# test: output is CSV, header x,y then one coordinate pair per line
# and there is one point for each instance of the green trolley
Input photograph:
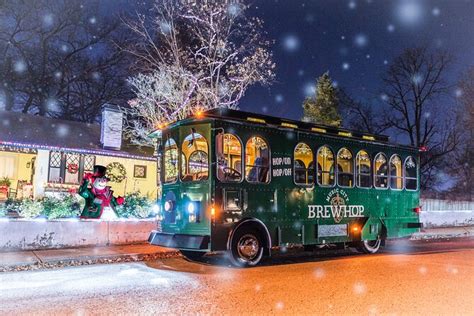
x,y
246,183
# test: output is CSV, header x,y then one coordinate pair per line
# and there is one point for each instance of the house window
x,y
55,158
69,168
139,171
7,166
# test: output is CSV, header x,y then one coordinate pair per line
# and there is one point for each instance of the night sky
x,y
356,41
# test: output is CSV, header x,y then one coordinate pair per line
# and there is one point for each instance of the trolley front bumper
x,y
179,241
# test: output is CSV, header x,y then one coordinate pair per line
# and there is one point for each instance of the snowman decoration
x,y
100,201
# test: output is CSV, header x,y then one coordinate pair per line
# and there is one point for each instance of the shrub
x,y
5,181
63,206
135,206
30,208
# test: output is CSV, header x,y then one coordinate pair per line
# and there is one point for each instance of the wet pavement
x,y
407,277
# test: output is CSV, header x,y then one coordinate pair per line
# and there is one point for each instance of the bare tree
x,y
193,55
463,168
414,84
57,58
362,116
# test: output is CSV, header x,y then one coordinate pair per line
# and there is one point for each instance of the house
x,y
41,155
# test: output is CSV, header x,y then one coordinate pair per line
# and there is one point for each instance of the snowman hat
x,y
99,172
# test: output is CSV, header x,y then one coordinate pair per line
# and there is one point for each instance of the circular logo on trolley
x,y
335,205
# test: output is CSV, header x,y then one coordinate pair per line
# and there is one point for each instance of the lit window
x,y
411,174
303,164
325,166
229,158
363,178
170,161
381,171
257,160
396,179
195,165
345,168
54,175
69,167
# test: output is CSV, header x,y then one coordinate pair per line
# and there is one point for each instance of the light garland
x,y
78,150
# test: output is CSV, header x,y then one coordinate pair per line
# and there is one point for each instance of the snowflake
x,y
93,20
264,109
62,130
385,62
58,75
367,56
458,93
436,11
291,43
343,37
345,66
19,66
279,98
390,28
409,12
52,105
165,27
335,84
361,40
423,270
384,97
417,78
309,89
300,72
64,48
48,19
319,273
96,75
279,305
234,9
359,288
352,5
258,287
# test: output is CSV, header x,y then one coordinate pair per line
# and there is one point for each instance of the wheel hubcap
x,y
248,247
373,244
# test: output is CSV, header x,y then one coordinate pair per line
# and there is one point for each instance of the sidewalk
x,y
56,258
444,233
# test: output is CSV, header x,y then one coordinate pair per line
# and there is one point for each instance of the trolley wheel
x,y
369,246
246,248
192,255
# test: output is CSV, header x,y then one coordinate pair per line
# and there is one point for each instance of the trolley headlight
x,y
191,208
168,206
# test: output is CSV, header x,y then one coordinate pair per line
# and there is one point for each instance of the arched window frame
x,y
178,161
269,177
242,162
307,168
357,171
410,178
374,170
186,161
337,168
390,172
333,167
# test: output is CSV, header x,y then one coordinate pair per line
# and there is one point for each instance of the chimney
x,y
111,127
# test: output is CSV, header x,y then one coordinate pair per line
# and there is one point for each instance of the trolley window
x,y
257,160
396,179
411,174
229,158
363,166
195,163
170,161
345,168
325,166
303,164
381,171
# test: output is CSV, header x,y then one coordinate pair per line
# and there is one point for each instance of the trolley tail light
x,y
417,209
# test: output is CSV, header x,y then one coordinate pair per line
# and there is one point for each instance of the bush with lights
x,y
135,206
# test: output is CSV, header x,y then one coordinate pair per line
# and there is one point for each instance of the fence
x,y
438,213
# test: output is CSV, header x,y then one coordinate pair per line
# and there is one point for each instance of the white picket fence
x,y
439,213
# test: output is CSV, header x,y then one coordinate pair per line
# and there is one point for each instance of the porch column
x,y
41,173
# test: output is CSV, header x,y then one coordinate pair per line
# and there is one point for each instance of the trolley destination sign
x,y
245,184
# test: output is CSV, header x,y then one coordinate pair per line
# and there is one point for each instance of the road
x,y
406,278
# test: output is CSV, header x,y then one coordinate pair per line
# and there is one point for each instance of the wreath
x,y
116,172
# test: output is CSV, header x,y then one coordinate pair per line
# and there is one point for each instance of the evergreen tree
x,y
324,107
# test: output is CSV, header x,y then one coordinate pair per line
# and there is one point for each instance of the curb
x,y
89,260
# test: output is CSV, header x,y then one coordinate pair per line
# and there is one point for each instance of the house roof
x,y
31,131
